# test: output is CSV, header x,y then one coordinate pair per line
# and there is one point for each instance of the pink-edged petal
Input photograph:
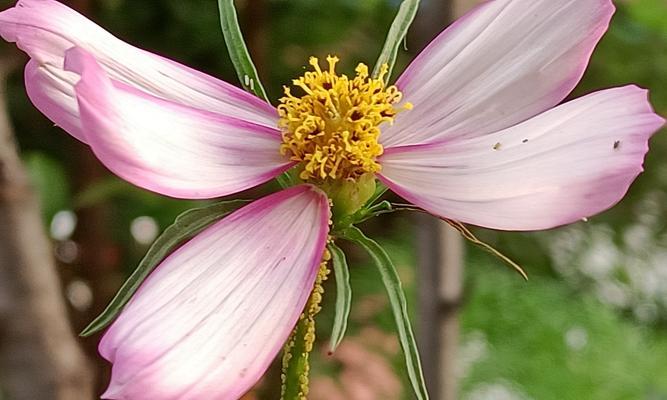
x,y
502,63
52,92
561,166
209,320
167,147
46,29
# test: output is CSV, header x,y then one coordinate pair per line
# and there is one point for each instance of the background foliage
x,y
591,323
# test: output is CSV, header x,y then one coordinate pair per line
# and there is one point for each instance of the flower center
x,y
332,129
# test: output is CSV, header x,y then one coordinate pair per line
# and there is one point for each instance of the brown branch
x,y
39,355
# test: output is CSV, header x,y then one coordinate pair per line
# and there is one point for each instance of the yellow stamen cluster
x,y
332,129
306,328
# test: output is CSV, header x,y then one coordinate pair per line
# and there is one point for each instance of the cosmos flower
x,y
471,131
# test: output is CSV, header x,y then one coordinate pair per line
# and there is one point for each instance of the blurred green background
x,y
590,324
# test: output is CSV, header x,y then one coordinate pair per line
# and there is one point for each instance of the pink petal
x,y
170,148
561,166
502,63
52,92
45,29
209,320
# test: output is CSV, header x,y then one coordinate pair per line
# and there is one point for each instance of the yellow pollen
x,y
332,129
305,332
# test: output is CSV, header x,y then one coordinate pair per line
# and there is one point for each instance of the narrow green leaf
x,y
397,31
289,178
467,234
380,190
283,180
399,307
343,295
185,227
238,52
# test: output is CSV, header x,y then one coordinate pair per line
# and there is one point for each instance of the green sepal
x,y
284,180
289,178
238,52
349,196
397,31
380,190
186,225
370,211
343,295
398,304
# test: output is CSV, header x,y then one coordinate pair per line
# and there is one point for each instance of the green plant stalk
x,y
296,356
296,364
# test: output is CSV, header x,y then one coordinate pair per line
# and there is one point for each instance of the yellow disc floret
x,y
332,129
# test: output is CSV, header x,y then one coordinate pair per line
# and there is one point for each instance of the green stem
x,y
296,366
296,357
